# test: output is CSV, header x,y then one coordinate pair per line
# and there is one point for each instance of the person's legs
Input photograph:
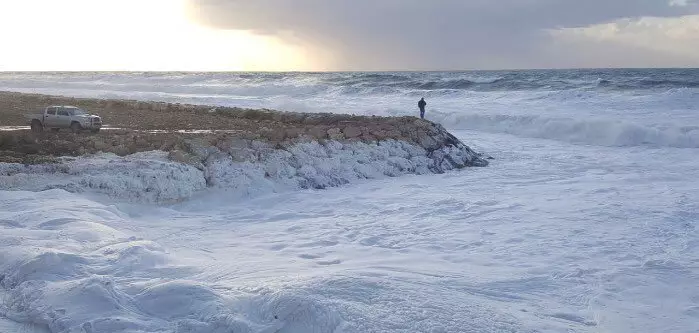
x,y
422,113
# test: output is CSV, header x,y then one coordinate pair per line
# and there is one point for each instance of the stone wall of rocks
x,y
167,126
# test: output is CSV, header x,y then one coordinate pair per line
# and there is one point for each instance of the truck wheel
x,y
36,126
75,127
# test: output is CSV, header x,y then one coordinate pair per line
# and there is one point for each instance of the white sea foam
x,y
600,131
259,169
148,177
63,269
413,253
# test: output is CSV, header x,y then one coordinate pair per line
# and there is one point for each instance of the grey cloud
x,y
422,34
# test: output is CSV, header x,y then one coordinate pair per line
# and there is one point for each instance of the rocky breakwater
x,y
247,151
322,153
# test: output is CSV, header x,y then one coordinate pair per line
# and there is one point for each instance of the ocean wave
x,y
174,88
325,84
647,83
510,84
602,132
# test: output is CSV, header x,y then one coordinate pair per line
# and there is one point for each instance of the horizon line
x,y
350,71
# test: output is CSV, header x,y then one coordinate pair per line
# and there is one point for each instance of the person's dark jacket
x,y
421,104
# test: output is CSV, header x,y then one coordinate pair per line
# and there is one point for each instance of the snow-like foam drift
x,y
148,177
66,268
245,167
66,271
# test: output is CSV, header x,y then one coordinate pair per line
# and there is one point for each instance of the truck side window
x,y
62,112
51,111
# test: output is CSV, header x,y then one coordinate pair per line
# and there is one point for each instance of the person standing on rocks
x,y
421,104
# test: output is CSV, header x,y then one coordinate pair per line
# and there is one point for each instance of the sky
x,y
314,35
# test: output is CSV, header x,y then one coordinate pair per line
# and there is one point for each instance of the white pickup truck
x,y
71,117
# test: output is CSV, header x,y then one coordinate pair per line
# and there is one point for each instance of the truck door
x,y
62,117
50,119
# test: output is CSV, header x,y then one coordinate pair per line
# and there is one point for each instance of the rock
x,y
200,148
368,138
11,159
243,155
224,144
427,142
394,134
162,107
176,156
423,124
120,150
335,134
317,132
312,119
169,143
241,143
272,134
291,133
352,132
218,156
185,158
141,142
100,145
379,134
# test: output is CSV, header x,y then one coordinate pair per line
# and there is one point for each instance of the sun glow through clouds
x,y
152,35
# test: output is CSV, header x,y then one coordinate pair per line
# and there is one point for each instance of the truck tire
x,y
36,126
75,127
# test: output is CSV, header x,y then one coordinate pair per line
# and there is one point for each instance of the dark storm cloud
x,y
427,34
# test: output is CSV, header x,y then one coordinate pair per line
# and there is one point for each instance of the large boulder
x,y
352,132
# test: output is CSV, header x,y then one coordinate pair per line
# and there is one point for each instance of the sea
x,y
586,220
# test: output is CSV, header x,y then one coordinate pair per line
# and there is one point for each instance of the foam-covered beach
x,y
584,221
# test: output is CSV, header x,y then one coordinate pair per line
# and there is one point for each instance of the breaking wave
x,y
602,132
268,84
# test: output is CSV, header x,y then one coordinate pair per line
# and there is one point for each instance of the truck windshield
x,y
76,112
